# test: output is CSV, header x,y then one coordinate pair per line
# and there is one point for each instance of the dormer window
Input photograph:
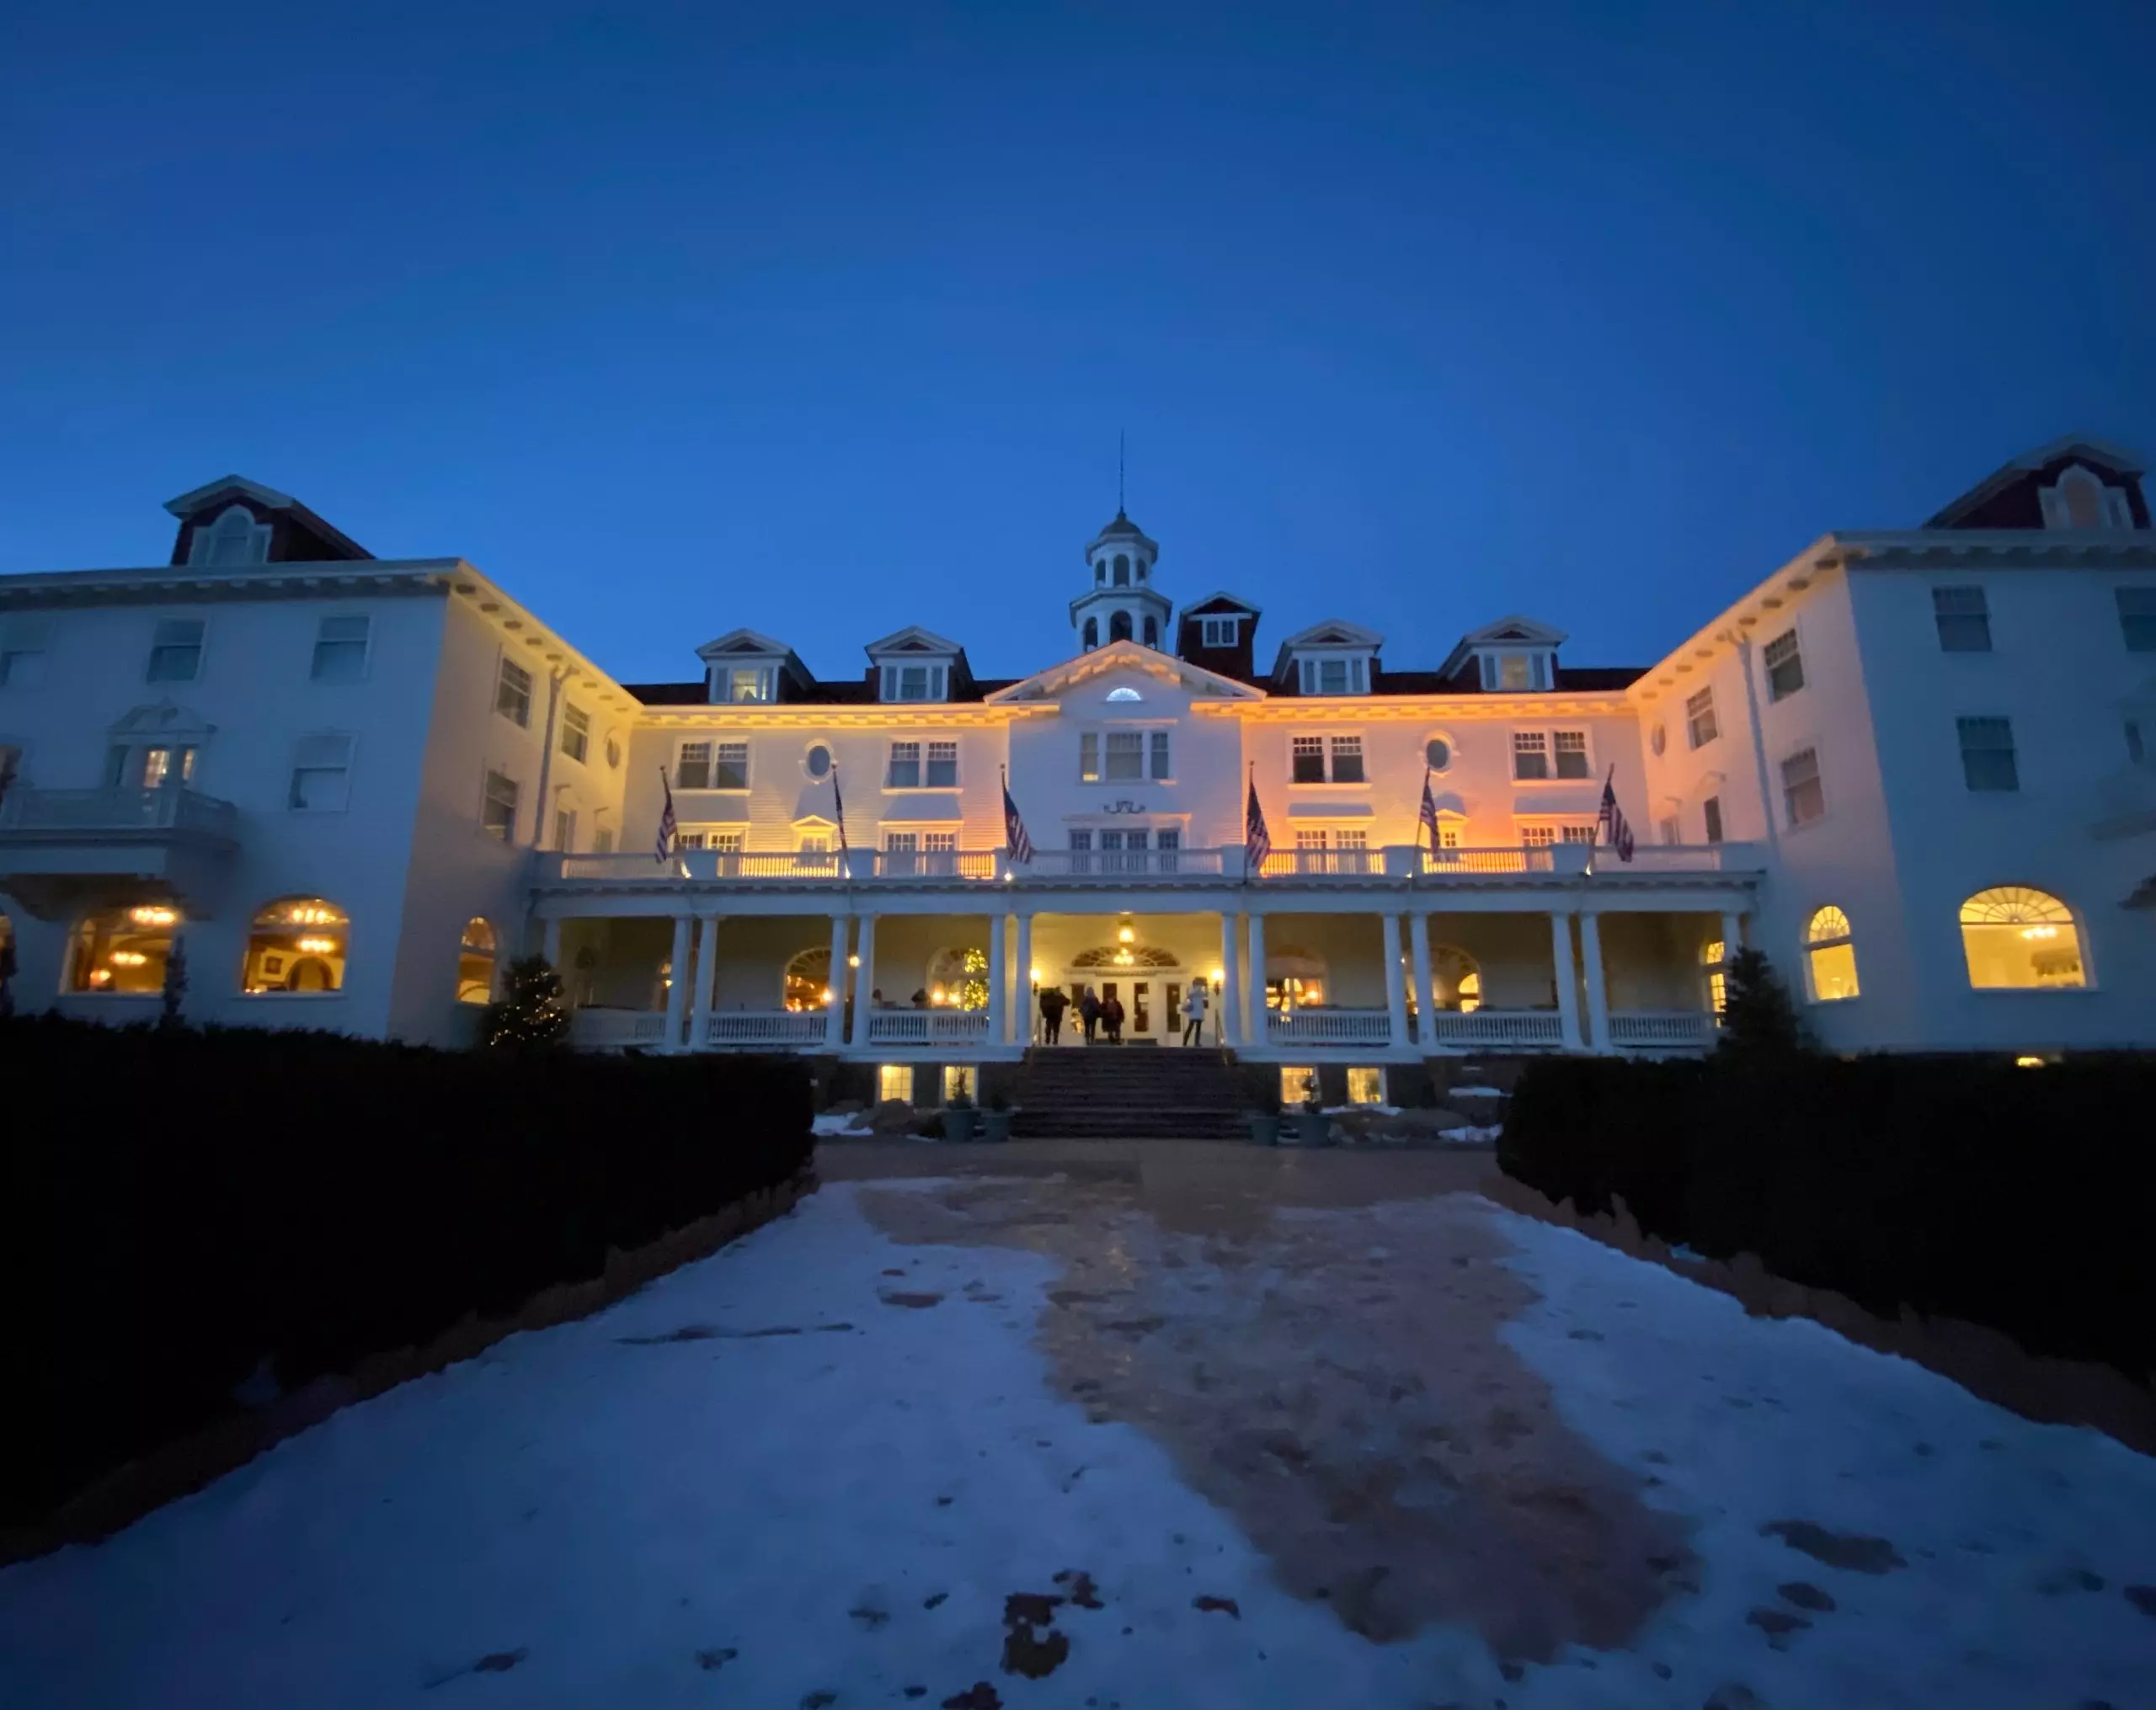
x,y
915,682
1218,632
2078,500
1334,676
235,538
1522,672
746,685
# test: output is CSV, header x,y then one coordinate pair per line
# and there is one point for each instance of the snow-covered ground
x,y
926,1434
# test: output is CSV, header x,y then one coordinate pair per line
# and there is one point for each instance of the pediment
x,y
1122,658
735,643
915,641
162,719
1515,631
1335,632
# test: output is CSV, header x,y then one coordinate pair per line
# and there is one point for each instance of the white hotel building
x,y
1916,767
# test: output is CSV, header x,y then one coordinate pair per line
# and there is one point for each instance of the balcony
x,y
928,1027
61,851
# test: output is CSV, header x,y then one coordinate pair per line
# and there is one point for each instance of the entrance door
x,y
1141,1006
1175,1008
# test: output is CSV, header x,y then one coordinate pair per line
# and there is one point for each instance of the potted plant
x,y
1265,1121
958,1117
996,1120
1313,1127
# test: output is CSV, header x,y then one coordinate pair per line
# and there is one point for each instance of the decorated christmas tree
x,y
529,1014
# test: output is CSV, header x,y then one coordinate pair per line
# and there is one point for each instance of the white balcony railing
x,y
934,864
89,812
1450,863
1478,1028
766,1027
1322,1027
928,1027
1323,863
1661,1030
612,1029
1130,864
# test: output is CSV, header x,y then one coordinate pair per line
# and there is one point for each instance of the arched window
x,y
808,980
1145,566
1152,631
1092,633
1713,958
1458,978
1101,573
1119,626
297,944
235,538
122,952
2083,496
2017,938
475,963
1829,956
958,979
1122,570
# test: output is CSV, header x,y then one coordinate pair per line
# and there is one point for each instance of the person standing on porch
x,y
1111,1015
1052,1005
1089,1011
1193,1014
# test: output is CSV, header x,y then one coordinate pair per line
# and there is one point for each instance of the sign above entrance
x,y
1125,806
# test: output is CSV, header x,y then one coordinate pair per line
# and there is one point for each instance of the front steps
x,y
1107,1092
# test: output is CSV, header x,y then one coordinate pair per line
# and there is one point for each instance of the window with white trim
x,y
498,807
1537,836
2137,618
340,647
894,1083
915,682
1345,752
943,765
1571,755
24,645
235,538
1161,767
1804,796
176,651
1699,725
1336,676
939,843
906,766
602,841
748,685
1308,839
1531,754
1987,753
576,733
1365,1086
1126,756
321,774
1306,759
512,694
565,830
729,766
693,766
1829,956
1089,757
1579,833
1710,812
1216,632
1785,665
1963,617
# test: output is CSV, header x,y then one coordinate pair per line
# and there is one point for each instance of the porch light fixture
x,y
150,914
318,946
1034,974
2028,1063
935,996
1127,935
2040,932
127,958
853,962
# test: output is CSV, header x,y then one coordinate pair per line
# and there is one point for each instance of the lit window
x,y
1309,840
1347,759
751,683
1089,757
1699,725
895,1080
1537,836
122,952
1437,753
729,766
475,963
2137,619
1802,793
943,765
1712,958
1531,754
1829,956
1297,1084
1305,759
321,774
1216,632
1964,620
957,1081
1987,753
176,651
162,766
512,694
1785,665
726,843
23,642
1126,751
1512,671
1159,744
340,649
498,807
2016,938
693,766
297,945
1710,812
1571,755
1365,1086
576,733
906,766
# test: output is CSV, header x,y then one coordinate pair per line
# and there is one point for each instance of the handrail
x,y
117,808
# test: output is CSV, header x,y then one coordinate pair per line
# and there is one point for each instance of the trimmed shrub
x,y
1963,1187
178,1205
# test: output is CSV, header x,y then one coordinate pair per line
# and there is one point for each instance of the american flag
x,y
667,823
1611,823
1257,841
838,807
1429,809
1016,844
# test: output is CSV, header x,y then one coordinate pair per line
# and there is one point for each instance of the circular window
x,y
1437,751
1658,739
613,750
818,760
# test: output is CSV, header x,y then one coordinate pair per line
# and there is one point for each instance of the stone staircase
x,y
1127,1093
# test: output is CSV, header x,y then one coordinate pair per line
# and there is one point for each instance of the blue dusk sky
x,y
824,319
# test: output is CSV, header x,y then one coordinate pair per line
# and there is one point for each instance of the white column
x,y
1598,993
1395,986
1733,934
1567,977
550,941
999,980
677,987
864,981
1021,975
706,998
1229,997
1426,996
1255,1030
835,1022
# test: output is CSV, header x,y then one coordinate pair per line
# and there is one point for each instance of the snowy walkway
x,y
1310,1437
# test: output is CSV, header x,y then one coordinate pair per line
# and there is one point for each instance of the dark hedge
x,y
178,1205
1967,1188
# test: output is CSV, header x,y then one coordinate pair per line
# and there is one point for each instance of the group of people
x,y
1098,1016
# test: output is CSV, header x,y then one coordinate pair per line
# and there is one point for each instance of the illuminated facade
x,y
1918,768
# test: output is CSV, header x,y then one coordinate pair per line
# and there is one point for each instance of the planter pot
x,y
1313,1128
959,1124
1264,1130
995,1127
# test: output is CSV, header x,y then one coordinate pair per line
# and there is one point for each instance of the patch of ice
x,y
1474,1093
839,1123
1471,1136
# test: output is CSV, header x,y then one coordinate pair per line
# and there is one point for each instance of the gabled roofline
x,y
1540,634
1124,656
2112,456
725,644
1236,600
933,643
1360,636
189,503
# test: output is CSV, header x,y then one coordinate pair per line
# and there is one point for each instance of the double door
x,y
1143,1017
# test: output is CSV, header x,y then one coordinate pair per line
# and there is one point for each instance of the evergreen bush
x,y
529,1014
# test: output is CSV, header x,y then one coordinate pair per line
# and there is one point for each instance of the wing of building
x,y
1917,768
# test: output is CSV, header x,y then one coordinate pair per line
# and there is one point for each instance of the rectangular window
x,y
943,765
1347,759
1447,837
894,1081
688,840
1081,841
1987,753
1964,620
1297,1084
1332,677
1365,1086
1802,794
1310,840
321,774
957,1081
163,766
729,766
1169,837
498,807
1089,758
1531,754
24,644
1537,836
1711,811
693,766
1126,755
1571,755
1158,743
727,842
512,694
602,841
1699,724
1218,632
1579,833
176,651
1306,759
906,766
913,682
565,830
576,733
1785,665
1512,671
1667,828
751,683
340,649
2137,619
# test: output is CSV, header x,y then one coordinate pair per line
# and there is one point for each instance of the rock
x,y
892,1116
